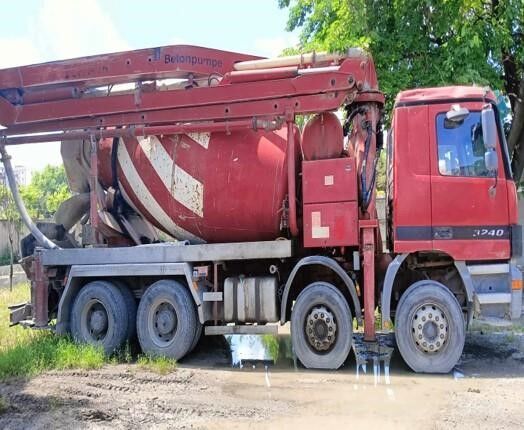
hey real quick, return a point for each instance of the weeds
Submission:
(46, 352)
(12, 336)
(161, 365)
(25, 352)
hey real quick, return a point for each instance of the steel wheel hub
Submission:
(96, 320)
(429, 328)
(321, 328)
(164, 322)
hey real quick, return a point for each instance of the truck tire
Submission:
(196, 338)
(166, 320)
(100, 316)
(131, 308)
(321, 327)
(429, 328)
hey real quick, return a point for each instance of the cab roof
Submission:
(426, 95)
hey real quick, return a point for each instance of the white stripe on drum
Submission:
(147, 199)
(187, 190)
(201, 138)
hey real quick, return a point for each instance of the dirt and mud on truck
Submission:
(273, 224)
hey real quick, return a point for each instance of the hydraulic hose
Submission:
(367, 189)
(40, 237)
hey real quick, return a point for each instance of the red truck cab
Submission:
(452, 221)
(442, 196)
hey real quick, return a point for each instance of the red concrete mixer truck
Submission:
(200, 207)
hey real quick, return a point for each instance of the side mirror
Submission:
(489, 128)
(491, 160)
(455, 116)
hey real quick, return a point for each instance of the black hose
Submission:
(349, 119)
(366, 190)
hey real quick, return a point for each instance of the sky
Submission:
(35, 31)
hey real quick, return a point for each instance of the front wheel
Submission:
(429, 328)
(321, 327)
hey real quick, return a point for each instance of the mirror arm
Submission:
(493, 189)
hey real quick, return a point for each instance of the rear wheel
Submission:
(166, 320)
(321, 328)
(130, 300)
(198, 335)
(429, 328)
(100, 316)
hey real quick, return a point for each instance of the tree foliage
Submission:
(47, 189)
(422, 43)
(42, 196)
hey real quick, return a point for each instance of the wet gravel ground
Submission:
(486, 390)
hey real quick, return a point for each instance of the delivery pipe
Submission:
(229, 126)
(293, 60)
(42, 239)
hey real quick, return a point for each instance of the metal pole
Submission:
(137, 131)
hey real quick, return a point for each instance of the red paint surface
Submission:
(243, 176)
(329, 180)
(340, 218)
(322, 137)
(424, 197)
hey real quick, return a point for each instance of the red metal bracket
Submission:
(367, 230)
(40, 287)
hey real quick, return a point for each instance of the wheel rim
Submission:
(320, 329)
(95, 321)
(429, 328)
(162, 322)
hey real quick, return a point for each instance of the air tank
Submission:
(203, 187)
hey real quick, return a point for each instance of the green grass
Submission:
(160, 365)
(11, 336)
(45, 352)
(25, 352)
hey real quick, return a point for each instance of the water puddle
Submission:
(253, 351)
(265, 351)
(375, 354)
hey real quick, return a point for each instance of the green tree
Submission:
(47, 189)
(417, 43)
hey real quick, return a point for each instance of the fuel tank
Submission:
(203, 187)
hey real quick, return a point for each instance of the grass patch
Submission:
(161, 365)
(12, 336)
(25, 352)
(46, 352)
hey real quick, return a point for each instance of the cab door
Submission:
(469, 208)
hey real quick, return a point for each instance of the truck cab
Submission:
(452, 201)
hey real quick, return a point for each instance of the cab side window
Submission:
(461, 147)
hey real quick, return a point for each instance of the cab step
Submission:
(494, 298)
